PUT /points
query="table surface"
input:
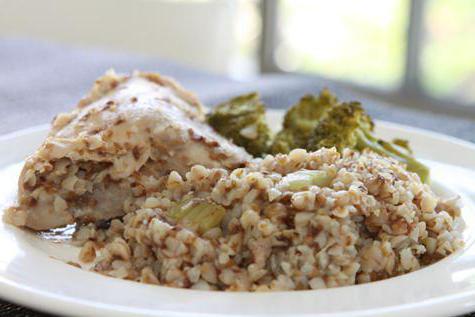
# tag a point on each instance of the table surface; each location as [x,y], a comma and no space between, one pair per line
[38,80]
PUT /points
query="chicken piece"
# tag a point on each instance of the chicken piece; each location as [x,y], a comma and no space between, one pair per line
[104,154]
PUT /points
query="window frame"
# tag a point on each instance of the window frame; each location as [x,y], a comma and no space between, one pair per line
[410,93]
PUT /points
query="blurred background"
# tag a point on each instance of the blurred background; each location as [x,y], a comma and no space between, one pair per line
[417,52]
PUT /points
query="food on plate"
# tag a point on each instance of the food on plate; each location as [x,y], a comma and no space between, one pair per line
[160,194]
[348,126]
[242,120]
[306,220]
[100,156]
[314,122]
[300,121]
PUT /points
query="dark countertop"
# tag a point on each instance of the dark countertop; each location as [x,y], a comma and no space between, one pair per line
[38,80]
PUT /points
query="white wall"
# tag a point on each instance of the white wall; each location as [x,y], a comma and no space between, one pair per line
[197,33]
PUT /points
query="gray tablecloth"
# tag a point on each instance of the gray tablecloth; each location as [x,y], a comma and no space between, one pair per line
[38,80]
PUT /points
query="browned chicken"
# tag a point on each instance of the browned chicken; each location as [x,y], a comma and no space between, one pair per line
[108,152]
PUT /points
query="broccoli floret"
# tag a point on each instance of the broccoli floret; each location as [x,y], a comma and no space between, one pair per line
[285,141]
[300,121]
[348,126]
[340,128]
[309,110]
[242,120]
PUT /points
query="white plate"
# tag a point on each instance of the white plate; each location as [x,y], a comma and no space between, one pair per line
[31,273]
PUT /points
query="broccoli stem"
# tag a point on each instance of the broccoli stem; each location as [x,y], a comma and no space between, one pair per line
[412,164]
[366,140]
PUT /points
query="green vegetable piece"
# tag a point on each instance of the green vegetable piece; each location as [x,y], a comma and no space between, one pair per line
[348,126]
[300,121]
[403,145]
[338,128]
[285,141]
[197,214]
[303,179]
[242,119]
